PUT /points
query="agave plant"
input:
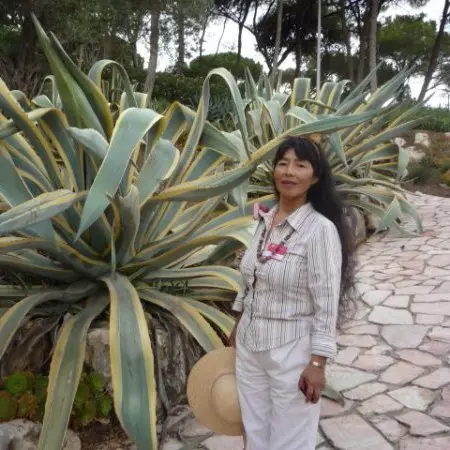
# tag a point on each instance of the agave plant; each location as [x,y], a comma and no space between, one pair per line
[119,220]
[367,164]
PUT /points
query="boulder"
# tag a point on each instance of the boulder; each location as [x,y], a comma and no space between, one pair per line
[357,224]
[176,353]
[24,435]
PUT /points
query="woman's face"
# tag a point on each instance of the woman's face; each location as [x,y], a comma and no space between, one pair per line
[293,177]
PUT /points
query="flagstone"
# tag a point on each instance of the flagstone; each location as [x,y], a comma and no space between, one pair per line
[443,288]
[431,308]
[353,340]
[436,347]
[439,260]
[380,404]
[419,358]
[401,373]
[404,336]
[390,316]
[390,428]
[435,379]
[440,334]
[378,350]
[375,297]
[414,290]
[442,409]
[397,301]
[435,272]
[343,378]
[420,424]
[219,442]
[363,329]
[365,391]
[436,443]
[352,432]
[362,288]
[347,355]
[429,319]
[373,363]
[426,298]
[386,286]
[413,397]
[329,408]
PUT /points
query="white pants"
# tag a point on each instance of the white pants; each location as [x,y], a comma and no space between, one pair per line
[274,411]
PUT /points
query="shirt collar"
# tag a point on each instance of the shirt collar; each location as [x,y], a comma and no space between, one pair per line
[295,219]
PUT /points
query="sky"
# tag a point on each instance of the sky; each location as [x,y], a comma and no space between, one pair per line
[433,11]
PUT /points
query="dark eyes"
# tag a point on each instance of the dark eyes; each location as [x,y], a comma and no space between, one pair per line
[298,164]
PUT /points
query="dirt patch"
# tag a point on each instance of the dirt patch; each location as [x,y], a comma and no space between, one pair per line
[432,188]
[100,436]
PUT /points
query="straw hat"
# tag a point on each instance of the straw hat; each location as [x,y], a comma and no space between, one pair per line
[212,392]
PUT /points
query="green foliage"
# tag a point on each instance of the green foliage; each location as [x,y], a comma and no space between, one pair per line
[202,65]
[423,172]
[24,395]
[8,406]
[9,40]
[18,383]
[435,119]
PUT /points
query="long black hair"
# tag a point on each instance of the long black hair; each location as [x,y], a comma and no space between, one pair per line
[325,199]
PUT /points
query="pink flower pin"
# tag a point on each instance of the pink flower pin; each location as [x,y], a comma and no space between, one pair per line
[259,208]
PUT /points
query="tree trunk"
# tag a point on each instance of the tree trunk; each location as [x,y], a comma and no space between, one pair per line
[298,57]
[154,48]
[363,44]
[202,37]
[276,54]
[239,51]
[347,37]
[221,36]
[181,42]
[435,52]
[374,9]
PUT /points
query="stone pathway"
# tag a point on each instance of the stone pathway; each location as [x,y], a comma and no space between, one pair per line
[393,362]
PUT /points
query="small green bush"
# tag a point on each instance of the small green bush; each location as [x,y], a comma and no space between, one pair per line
[23,395]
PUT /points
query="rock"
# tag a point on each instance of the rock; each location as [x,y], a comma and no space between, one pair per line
[429,319]
[329,408]
[391,429]
[440,334]
[356,341]
[436,379]
[378,350]
[442,409]
[404,336]
[380,404]
[420,424]
[422,139]
[397,301]
[390,316]
[419,358]
[401,373]
[172,444]
[431,308]
[365,391]
[437,443]
[24,435]
[343,378]
[363,329]
[439,261]
[174,362]
[347,356]
[414,290]
[436,347]
[414,397]
[444,288]
[373,363]
[224,443]
[373,298]
[352,432]
[430,298]
[193,429]
[357,224]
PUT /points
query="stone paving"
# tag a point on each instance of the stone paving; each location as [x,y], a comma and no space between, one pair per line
[393,362]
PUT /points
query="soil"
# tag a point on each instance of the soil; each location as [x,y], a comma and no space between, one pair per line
[432,188]
[100,436]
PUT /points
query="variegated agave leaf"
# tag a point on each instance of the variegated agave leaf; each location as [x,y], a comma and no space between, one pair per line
[366,162]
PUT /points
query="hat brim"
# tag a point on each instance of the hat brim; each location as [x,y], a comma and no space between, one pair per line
[199,385]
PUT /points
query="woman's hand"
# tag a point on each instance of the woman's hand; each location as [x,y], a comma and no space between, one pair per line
[312,383]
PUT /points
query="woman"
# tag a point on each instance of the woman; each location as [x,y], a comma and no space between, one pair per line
[297,274]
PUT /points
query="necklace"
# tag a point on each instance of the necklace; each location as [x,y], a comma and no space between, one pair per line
[276,248]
